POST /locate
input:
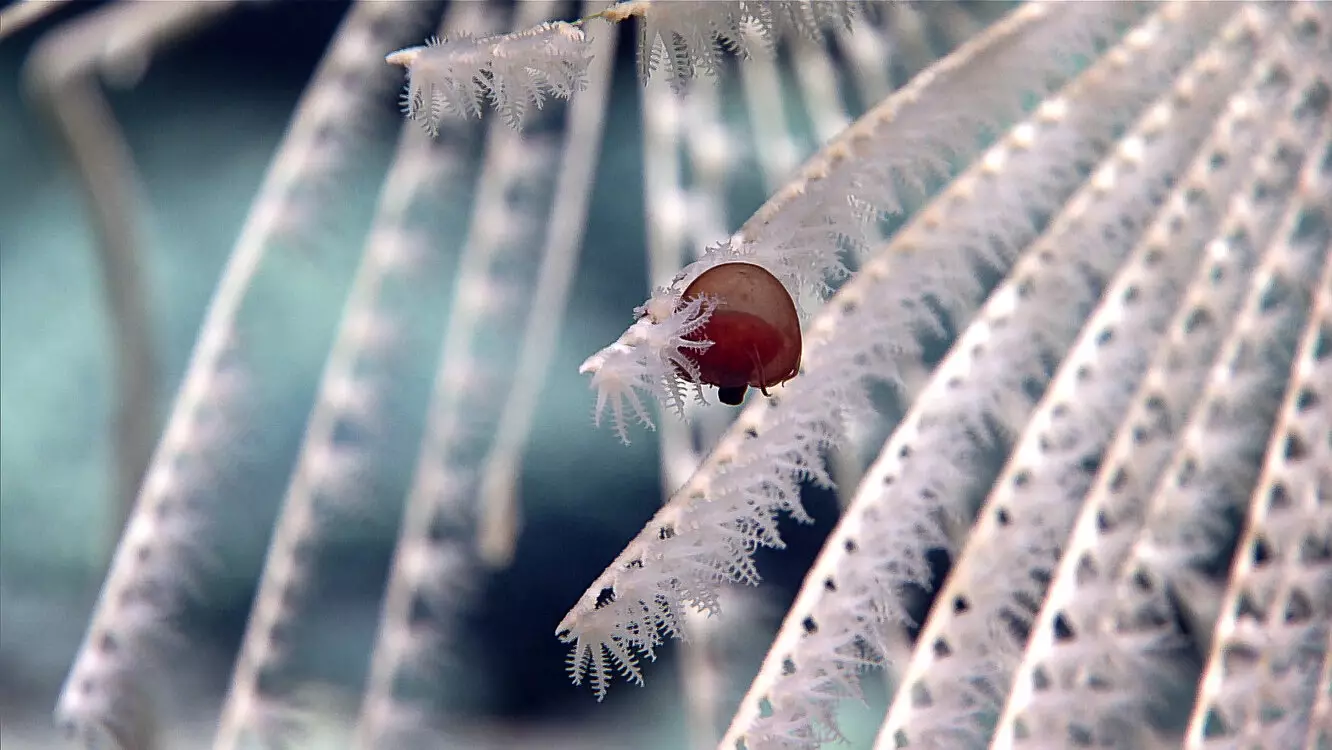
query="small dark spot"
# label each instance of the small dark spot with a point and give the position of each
(1187, 472)
(1062, 630)
(1142, 580)
(1298, 608)
(1198, 318)
(1119, 480)
(1296, 450)
(1278, 497)
(1261, 551)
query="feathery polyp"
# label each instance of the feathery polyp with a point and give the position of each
(647, 356)
(515, 71)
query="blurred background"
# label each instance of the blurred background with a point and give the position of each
(201, 119)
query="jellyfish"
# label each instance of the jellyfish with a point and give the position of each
(754, 330)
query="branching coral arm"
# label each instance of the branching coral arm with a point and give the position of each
(708, 531)
(886, 157)
(158, 559)
(928, 470)
(1047, 682)
(1155, 512)
(1277, 614)
(961, 668)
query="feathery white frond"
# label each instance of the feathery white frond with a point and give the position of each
(708, 532)
(1050, 693)
(1269, 645)
(513, 72)
(195, 464)
(801, 233)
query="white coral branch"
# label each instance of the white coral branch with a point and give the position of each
(709, 531)
(514, 71)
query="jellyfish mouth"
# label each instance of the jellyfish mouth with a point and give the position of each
(732, 395)
(746, 352)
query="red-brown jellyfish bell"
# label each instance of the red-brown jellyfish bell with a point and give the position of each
(754, 330)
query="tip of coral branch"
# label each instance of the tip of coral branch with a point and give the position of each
(403, 57)
(564, 631)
